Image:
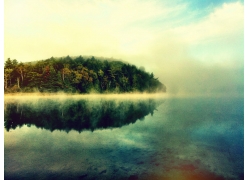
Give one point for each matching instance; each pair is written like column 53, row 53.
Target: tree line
column 78, row 75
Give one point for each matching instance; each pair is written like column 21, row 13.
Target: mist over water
column 191, row 78
column 182, row 74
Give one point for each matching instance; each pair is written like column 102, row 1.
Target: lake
column 124, row 137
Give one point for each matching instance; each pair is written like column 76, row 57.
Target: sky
column 193, row 46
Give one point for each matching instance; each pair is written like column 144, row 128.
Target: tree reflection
column 76, row 114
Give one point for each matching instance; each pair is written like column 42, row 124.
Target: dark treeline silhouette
column 76, row 115
column 78, row 75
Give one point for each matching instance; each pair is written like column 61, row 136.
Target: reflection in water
column 81, row 114
column 186, row 138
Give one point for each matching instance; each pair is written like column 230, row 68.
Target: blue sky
column 207, row 3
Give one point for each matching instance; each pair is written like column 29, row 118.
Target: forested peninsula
column 78, row 75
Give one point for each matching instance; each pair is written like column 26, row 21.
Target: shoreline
column 70, row 95
column 117, row 95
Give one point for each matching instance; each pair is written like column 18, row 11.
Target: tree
column 14, row 63
column 7, row 77
column 65, row 71
column 8, row 64
column 21, row 70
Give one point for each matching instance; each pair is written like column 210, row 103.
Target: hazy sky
column 191, row 45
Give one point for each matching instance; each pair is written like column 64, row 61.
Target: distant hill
column 78, row 75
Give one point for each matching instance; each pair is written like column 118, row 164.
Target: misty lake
column 124, row 137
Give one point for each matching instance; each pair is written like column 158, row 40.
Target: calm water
column 124, row 138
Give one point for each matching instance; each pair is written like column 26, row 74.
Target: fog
column 192, row 77
column 182, row 73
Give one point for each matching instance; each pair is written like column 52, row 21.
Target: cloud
column 39, row 29
column 109, row 28
column 219, row 35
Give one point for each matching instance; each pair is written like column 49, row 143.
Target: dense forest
column 78, row 75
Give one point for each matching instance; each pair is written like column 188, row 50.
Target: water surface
column 124, row 138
